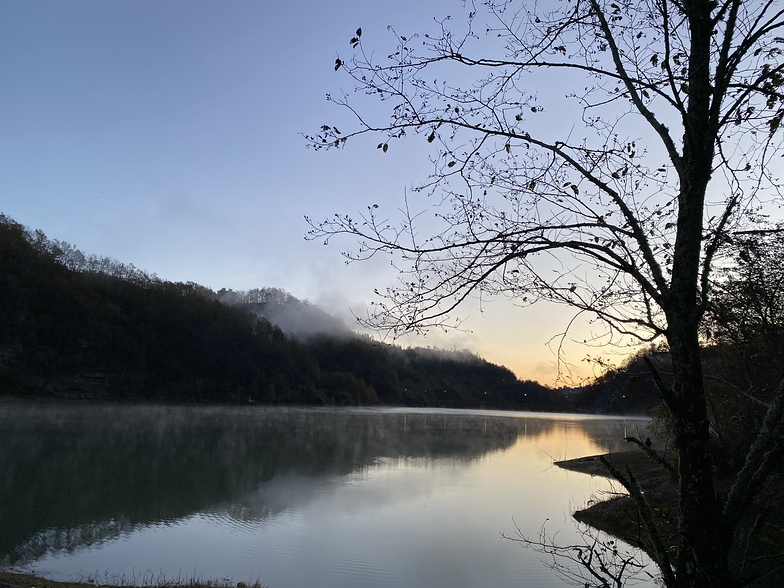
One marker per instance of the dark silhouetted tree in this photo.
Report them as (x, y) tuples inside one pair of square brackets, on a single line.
[(667, 150)]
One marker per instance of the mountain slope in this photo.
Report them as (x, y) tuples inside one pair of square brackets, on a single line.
[(78, 326)]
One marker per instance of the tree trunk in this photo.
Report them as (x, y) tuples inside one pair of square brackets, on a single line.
[(704, 542), (703, 550), (703, 547)]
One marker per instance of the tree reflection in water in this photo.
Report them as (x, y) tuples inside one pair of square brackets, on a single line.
[(78, 476)]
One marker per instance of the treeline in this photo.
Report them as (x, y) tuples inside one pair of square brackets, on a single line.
[(80, 326)]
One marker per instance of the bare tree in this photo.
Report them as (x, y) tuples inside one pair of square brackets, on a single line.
[(670, 149), (598, 561)]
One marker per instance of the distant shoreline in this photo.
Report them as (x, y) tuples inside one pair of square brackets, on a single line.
[(109, 400)]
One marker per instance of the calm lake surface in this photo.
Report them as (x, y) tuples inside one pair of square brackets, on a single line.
[(292, 497)]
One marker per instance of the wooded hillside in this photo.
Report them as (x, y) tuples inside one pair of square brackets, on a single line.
[(80, 326)]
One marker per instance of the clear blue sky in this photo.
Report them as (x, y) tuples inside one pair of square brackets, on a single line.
[(167, 134)]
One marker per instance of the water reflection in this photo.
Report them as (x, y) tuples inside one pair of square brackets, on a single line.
[(77, 477)]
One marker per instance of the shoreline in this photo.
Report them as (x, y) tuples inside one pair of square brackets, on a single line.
[(648, 471), (618, 515), (17, 579), (10, 579)]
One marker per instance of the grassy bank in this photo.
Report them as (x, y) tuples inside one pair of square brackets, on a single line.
[(24, 580)]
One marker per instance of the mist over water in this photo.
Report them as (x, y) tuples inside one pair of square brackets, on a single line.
[(291, 497)]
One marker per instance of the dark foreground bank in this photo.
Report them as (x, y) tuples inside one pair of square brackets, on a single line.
[(761, 532)]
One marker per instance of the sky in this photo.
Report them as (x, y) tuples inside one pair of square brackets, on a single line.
[(168, 134)]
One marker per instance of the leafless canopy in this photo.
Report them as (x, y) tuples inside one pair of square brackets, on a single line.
[(563, 136), (613, 199)]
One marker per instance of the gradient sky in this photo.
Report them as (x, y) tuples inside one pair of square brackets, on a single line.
[(166, 134)]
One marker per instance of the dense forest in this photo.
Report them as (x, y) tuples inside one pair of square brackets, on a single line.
[(82, 326)]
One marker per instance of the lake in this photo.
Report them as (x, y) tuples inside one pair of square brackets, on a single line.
[(327, 498)]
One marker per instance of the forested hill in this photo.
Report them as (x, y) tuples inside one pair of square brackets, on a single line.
[(79, 326)]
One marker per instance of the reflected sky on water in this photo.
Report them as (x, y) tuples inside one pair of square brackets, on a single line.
[(292, 497)]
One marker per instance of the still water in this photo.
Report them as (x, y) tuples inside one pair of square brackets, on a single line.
[(292, 497)]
